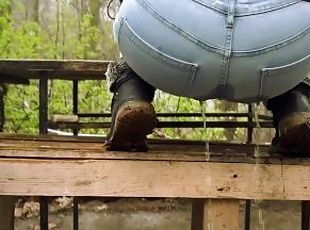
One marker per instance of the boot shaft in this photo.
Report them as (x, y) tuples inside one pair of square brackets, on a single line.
[(126, 85), (296, 100)]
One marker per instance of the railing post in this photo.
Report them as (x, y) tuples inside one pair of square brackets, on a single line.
[(250, 120), (305, 215), (75, 213), (43, 118), (43, 105), (247, 218), (2, 118), (75, 101), (43, 213)]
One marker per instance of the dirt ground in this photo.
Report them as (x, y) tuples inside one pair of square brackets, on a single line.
[(147, 214)]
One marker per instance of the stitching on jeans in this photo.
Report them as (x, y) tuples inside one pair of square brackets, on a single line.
[(228, 44), (189, 67), (138, 41), (276, 46), (280, 70), (180, 31), (221, 50), (271, 70), (255, 9)]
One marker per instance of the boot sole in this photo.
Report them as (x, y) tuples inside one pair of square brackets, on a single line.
[(133, 122)]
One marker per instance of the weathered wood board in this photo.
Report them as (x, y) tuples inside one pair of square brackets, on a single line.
[(71, 167), (131, 178), (11, 69)]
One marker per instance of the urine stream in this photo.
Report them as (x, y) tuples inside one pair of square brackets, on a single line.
[(258, 169), (203, 107)]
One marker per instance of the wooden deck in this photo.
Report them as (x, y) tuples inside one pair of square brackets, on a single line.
[(69, 166)]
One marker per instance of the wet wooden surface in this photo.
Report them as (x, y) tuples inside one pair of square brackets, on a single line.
[(69, 166), (88, 148)]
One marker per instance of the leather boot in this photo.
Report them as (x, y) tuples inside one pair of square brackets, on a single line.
[(133, 116), (291, 117)]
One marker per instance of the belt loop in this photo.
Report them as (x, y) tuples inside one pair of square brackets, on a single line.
[(231, 13)]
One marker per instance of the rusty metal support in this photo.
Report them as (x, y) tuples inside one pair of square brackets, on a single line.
[(250, 120), (43, 213), (75, 110), (247, 218), (75, 101), (43, 105), (197, 214), (2, 117), (43, 118), (305, 215), (75, 213)]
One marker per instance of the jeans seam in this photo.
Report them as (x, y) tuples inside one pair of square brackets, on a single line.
[(221, 50), (177, 63), (273, 47), (257, 9), (228, 43), (271, 71), (196, 40)]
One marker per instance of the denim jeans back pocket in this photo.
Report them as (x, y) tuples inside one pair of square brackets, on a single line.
[(155, 66), (279, 79)]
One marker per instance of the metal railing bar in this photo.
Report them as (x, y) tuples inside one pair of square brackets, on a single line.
[(164, 124), (244, 115)]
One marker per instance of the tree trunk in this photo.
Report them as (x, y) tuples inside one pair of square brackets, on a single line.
[(94, 7), (36, 11)]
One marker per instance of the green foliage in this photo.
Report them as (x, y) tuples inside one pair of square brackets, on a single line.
[(28, 39), (5, 26), (21, 106)]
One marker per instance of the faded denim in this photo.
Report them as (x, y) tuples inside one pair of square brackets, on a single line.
[(240, 50)]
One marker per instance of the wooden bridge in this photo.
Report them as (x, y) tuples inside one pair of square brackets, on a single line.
[(216, 179)]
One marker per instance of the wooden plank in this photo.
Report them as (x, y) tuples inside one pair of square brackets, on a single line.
[(129, 178), (57, 69), (65, 118), (221, 214), (12, 79), (73, 148)]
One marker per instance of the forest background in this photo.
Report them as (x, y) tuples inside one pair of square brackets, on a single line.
[(81, 29)]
